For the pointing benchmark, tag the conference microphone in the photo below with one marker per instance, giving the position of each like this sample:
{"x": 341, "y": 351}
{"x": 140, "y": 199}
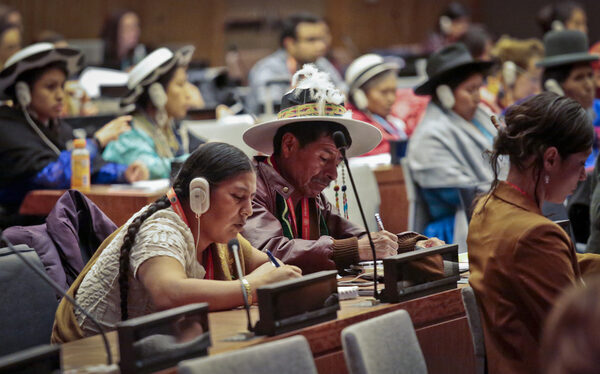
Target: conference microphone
{"x": 341, "y": 144}
{"x": 42, "y": 274}
{"x": 234, "y": 246}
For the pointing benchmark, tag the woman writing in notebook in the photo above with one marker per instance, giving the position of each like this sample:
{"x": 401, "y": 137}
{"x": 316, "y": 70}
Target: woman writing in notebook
{"x": 172, "y": 252}
{"x": 520, "y": 260}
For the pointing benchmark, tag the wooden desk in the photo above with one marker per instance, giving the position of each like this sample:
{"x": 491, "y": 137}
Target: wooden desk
{"x": 394, "y": 204}
{"x": 439, "y": 320}
{"x": 118, "y": 203}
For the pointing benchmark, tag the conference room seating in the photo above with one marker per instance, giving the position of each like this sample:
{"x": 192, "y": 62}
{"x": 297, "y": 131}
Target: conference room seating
{"x": 384, "y": 344}
{"x": 291, "y": 356}
{"x": 160, "y": 340}
{"x": 27, "y": 303}
{"x": 474, "y": 320}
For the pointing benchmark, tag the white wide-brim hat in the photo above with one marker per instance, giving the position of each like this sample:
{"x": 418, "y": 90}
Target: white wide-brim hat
{"x": 36, "y": 56}
{"x": 366, "y": 67}
{"x": 152, "y": 67}
{"x": 314, "y": 100}
{"x": 364, "y": 136}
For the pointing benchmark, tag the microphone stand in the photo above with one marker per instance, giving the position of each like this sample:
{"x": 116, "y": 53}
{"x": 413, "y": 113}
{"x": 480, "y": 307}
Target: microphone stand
{"x": 234, "y": 246}
{"x": 341, "y": 144}
{"x": 42, "y": 274}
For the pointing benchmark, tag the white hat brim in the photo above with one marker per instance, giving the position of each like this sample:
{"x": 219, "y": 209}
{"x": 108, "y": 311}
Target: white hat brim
{"x": 365, "y": 137}
{"x": 72, "y": 58}
{"x": 182, "y": 57}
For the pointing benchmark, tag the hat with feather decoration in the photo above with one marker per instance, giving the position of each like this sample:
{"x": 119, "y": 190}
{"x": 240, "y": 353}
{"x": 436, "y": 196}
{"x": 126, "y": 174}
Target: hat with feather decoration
{"x": 314, "y": 98}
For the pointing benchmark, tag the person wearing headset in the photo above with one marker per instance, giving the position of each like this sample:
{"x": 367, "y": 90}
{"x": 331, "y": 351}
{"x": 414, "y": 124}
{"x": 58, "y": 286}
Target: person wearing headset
{"x": 563, "y": 15}
{"x": 453, "y": 22}
{"x": 518, "y": 76}
{"x": 445, "y": 151}
{"x": 568, "y": 72}
{"x": 372, "y": 93}
{"x": 173, "y": 252}
{"x": 157, "y": 91}
{"x": 34, "y": 146}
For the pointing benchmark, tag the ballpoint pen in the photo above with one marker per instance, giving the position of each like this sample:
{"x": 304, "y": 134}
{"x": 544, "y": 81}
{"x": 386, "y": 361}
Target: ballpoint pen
{"x": 272, "y": 258}
{"x": 379, "y": 222}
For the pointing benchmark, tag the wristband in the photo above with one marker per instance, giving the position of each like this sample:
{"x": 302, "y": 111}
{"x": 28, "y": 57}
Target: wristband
{"x": 246, "y": 285}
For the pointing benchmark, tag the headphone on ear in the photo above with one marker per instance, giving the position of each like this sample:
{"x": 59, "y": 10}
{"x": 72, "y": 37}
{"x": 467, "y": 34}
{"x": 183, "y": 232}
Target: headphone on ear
{"x": 445, "y": 96}
{"x": 157, "y": 95}
{"x": 557, "y": 25}
{"x": 359, "y": 98}
{"x": 551, "y": 85}
{"x": 199, "y": 195}
{"x": 445, "y": 25}
{"x": 509, "y": 73}
{"x": 23, "y": 94}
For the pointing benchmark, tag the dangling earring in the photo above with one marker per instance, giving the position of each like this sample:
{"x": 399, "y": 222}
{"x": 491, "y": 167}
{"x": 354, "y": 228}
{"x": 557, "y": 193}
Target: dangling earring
{"x": 546, "y": 179}
{"x": 336, "y": 188}
{"x": 345, "y": 199}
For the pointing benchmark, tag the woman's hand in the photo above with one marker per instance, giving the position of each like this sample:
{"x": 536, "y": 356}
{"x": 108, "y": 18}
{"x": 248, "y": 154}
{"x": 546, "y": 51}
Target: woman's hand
{"x": 386, "y": 244}
{"x": 137, "y": 171}
{"x": 112, "y": 130}
{"x": 267, "y": 273}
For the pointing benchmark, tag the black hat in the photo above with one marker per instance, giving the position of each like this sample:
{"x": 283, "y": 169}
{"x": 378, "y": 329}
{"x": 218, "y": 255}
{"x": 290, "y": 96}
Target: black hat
{"x": 442, "y": 65}
{"x": 564, "y": 48}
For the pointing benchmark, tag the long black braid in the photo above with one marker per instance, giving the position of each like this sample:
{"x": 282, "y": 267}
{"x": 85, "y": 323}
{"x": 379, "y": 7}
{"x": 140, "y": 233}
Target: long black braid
{"x": 215, "y": 162}
{"x": 128, "y": 241}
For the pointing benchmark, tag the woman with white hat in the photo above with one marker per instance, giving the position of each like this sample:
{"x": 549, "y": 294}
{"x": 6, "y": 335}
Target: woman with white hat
{"x": 445, "y": 153}
{"x": 157, "y": 89}
{"x": 33, "y": 148}
{"x": 372, "y": 92}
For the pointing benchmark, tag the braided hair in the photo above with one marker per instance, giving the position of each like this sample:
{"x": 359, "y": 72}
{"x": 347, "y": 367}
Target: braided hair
{"x": 216, "y": 162}
{"x": 542, "y": 121}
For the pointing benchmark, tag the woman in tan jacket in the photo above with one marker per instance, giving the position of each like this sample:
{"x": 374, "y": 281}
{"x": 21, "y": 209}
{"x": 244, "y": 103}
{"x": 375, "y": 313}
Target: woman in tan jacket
{"x": 520, "y": 260}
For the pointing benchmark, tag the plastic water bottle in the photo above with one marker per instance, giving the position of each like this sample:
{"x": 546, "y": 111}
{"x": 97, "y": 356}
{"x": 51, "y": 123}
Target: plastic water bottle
{"x": 80, "y": 166}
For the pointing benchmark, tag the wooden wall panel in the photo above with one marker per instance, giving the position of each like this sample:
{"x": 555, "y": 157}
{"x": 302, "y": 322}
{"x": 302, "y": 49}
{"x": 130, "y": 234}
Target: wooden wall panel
{"x": 373, "y": 24}
{"x": 360, "y": 25}
{"x": 199, "y": 22}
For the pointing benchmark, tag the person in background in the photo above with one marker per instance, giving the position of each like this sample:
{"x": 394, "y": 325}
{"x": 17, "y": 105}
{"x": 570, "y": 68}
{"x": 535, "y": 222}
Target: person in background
{"x": 563, "y": 15}
{"x": 518, "y": 76}
{"x": 569, "y": 345}
{"x": 452, "y": 24}
{"x": 291, "y": 216}
{"x": 445, "y": 152}
{"x": 519, "y": 260}
{"x": 478, "y": 41}
{"x": 157, "y": 90}
{"x": 304, "y": 39}
{"x": 121, "y": 36}
{"x": 174, "y": 251}
{"x": 10, "y": 14}
{"x": 10, "y": 40}
{"x": 34, "y": 147}
{"x": 568, "y": 71}
{"x": 372, "y": 86}
{"x": 50, "y": 36}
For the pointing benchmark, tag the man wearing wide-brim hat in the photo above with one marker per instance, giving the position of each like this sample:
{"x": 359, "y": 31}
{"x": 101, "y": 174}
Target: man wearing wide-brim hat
{"x": 291, "y": 216}
{"x": 445, "y": 152}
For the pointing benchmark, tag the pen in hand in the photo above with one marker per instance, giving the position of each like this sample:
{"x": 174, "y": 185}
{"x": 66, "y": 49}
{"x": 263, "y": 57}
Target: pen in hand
{"x": 379, "y": 222}
{"x": 272, "y": 258}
